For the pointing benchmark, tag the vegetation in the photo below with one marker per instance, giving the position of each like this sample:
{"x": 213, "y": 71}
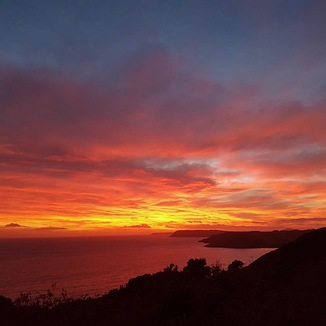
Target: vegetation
{"x": 284, "y": 287}
{"x": 49, "y": 299}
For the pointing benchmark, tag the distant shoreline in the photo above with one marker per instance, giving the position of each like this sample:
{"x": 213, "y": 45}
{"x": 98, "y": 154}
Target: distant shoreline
{"x": 242, "y": 239}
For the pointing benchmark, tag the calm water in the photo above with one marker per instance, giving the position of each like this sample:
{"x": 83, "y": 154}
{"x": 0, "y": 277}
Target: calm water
{"x": 95, "y": 265}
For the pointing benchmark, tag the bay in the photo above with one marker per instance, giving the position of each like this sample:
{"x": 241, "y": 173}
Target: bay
{"x": 95, "y": 265}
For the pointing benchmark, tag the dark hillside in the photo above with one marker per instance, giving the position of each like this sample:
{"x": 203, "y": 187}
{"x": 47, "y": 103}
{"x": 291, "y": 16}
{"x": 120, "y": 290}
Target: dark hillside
{"x": 309, "y": 248}
{"x": 288, "y": 285}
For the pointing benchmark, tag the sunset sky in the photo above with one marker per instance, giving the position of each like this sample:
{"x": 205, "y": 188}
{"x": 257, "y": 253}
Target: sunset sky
{"x": 139, "y": 116}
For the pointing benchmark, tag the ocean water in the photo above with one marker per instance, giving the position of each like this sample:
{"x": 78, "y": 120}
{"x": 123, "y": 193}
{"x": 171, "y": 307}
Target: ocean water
{"x": 95, "y": 265}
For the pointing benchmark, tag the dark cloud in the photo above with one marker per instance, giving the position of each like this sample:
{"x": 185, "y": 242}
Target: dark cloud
{"x": 304, "y": 221}
{"x": 13, "y": 225}
{"x": 46, "y": 228}
{"x": 50, "y": 228}
{"x": 139, "y": 226}
{"x": 55, "y": 116}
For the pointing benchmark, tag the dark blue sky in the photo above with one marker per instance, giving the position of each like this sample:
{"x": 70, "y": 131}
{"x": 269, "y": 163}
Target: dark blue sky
{"x": 230, "y": 40}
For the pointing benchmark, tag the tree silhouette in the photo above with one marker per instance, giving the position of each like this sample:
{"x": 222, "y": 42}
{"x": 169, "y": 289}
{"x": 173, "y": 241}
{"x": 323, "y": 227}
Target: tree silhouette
{"x": 235, "y": 265}
{"x": 171, "y": 268}
{"x": 197, "y": 268}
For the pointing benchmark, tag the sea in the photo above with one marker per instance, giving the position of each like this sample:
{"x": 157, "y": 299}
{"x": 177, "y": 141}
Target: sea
{"x": 95, "y": 265}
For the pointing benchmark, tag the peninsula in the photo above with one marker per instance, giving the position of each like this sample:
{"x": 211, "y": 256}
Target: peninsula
{"x": 243, "y": 239}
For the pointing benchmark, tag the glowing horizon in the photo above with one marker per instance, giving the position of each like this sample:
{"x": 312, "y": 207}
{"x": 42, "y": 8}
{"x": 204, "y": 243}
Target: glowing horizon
{"x": 151, "y": 135}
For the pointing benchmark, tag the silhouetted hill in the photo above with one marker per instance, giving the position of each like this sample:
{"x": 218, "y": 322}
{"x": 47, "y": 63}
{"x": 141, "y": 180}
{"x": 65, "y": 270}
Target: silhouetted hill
{"x": 287, "y": 286}
{"x": 195, "y": 233}
{"x": 253, "y": 239}
{"x": 309, "y": 248}
{"x": 284, "y": 287}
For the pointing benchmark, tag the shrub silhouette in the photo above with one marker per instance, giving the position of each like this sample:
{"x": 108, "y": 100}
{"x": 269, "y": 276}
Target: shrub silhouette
{"x": 171, "y": 268}
{"x": 50, "y": 299}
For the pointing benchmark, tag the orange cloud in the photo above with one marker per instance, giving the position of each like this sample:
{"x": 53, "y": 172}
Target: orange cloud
{"x": 165, "y": 148}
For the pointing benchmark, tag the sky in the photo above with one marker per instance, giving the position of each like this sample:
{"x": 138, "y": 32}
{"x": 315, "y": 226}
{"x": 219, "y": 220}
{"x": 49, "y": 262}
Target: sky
{"x": 141, "y": 116}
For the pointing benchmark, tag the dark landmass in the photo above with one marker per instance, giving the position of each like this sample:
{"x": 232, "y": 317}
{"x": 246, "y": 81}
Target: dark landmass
{"x": 284, "y": 287}
{"x": 242, "y": 239}
{"x": 196, "y": 233}
{"x": 253, "y": 239}
{"x": 168, "y": 234}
